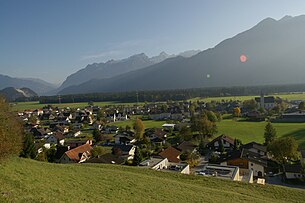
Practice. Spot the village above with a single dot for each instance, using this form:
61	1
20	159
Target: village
184	142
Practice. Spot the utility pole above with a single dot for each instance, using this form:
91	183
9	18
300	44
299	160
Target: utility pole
137	98
59	99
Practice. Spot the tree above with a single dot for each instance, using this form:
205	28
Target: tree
98	151
283	149
96	135
33	119
127	128
137	159
270	133
11	132
211	116
50	154
29	149
237	144
41	156
202	148
302	106
185	156
219	116
250	104
236	112
186	133
206	127
138	128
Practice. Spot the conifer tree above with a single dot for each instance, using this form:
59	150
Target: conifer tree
270	133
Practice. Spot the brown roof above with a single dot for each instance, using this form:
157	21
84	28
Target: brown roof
73	154
171	154
59	135
187	146
224	137
159	133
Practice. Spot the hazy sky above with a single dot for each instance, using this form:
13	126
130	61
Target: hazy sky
52	39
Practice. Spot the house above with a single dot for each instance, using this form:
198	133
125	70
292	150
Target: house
97	125
172	154
246	160
227	142
38	132
77	155
155	163
176	116
126	151
168	126
256	148
60	150
293	171
223	172
111	129
77	143
187	146
157	136
255	116
124	139
56	138
160	116
162	164
266	102
293	117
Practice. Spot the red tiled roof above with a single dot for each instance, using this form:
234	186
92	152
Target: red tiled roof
171	154
73	154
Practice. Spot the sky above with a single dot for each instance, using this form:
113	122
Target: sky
53	39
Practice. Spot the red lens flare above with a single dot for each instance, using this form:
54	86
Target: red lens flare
243	58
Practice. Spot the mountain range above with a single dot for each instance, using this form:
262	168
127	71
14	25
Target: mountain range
272	52
11	93
37	85
113	68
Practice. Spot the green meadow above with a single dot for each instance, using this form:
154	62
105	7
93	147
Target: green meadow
254	131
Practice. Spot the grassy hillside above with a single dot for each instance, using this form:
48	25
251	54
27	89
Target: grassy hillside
23	180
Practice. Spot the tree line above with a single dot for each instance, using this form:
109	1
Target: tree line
175	95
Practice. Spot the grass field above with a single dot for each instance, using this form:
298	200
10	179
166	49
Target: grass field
20	106
23	180
254	131
287	96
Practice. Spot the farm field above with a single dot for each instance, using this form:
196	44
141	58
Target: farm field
24	180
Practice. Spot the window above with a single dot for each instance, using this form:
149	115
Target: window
251	164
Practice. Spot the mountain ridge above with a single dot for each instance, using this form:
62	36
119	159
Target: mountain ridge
37	85
273	50
113	68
